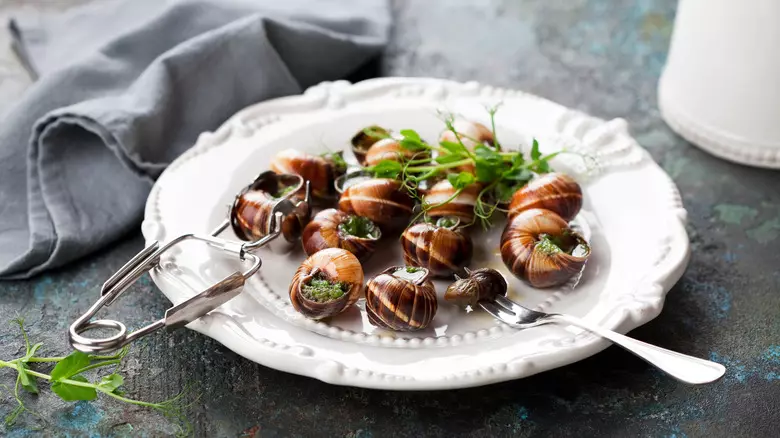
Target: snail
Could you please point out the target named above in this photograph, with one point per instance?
(383, 201)
(482, 284)
(251, 213)
(470, 134)
(332, 228)
(401, 298)
(326, 283)
(539, 247)
(556, 192)
(441, 247)
(364, 139)
(320, 171)
(389, 149)
(462, 206)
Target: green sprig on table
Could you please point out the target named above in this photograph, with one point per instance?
(69, 382)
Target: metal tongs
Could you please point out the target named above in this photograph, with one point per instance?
(191, 309)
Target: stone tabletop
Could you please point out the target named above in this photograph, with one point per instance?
(602, 57)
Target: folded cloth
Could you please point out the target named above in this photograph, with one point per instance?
(125, 86)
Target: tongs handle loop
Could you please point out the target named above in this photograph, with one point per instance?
(187, 311)
(177, 316)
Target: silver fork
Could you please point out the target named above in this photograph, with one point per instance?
(685, 368)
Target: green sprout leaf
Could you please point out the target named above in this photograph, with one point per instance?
(489, 164)
(461, 180)
(387, 169)
(111, 382)
(69, 366)
(28, 383)
(454, 148)
(535, 154)
(70, 392)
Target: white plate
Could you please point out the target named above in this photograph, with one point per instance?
(632, 215)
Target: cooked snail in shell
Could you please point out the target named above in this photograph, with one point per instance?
(462, 206)
(251, 215)
(333, 228)
(364, 139)
(401, 298)
(539, 247)
(482, 284)
(383, 201)
(556, 192)
(388, 149)
(442, 247)
(320, 171)
(326, 283)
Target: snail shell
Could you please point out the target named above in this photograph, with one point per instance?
(442, 248)
(539, 247)
(482, 284)
(383, 201)
(387, 149)
(556, 192)
(335, 266)
(252, 211)
(328, 229)
(319, 171)
(362, 141)
(400, 300)
(462, 206)
(471, 134)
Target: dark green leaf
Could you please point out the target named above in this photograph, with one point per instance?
(387, 169)
(69, 392)
(70, 365)
(111, 382)
(542, 167)
(504, 191)
(523, 175)
(535, 154)
(460, 180)
(28, 382)
(489, 164)
(518, 160)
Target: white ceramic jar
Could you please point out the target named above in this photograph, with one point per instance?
(720, 88)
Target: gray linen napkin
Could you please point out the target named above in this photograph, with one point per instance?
(126, 86)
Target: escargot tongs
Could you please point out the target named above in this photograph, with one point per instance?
(188, 311)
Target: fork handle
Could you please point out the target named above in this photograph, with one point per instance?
(685, 368)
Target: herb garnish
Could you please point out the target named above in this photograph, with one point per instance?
(322, 290)
(359, 226)
(70, 383)
(499, 172)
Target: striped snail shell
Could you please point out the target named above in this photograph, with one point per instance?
(470, 134)
(252, 211)
(401, 298)
(556, 192)
(326, 283)
(333, 228)
(462, 206)
(388, 149)
(382, 200)
(482, 284)
(441, 247)
(364, 139)
(539, 247)
(320, 171)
